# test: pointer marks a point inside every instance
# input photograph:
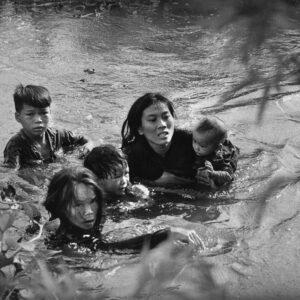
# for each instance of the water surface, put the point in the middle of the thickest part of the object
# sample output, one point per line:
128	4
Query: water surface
169	50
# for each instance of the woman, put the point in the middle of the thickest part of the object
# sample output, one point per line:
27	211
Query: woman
156	150
75	198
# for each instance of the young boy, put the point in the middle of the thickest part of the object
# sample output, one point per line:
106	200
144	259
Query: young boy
36	143
216	156
111	168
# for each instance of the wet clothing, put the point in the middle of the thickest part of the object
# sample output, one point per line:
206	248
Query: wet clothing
71	237
145	163
20	151
224	162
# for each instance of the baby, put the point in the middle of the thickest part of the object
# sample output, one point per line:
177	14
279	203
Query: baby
216	157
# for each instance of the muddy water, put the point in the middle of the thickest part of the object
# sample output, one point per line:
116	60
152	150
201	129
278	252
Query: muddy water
147	49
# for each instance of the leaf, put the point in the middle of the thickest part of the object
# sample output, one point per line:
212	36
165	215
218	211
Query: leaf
31	211
4	261
28	246
6	220
9	191
10	243
26	294
52	225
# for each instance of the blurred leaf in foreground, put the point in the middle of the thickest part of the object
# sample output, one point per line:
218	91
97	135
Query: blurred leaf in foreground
6	220
257	27
159	277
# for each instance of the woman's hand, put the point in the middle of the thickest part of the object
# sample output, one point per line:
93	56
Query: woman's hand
202	176
188	235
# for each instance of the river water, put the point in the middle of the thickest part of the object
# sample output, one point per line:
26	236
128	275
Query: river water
168	49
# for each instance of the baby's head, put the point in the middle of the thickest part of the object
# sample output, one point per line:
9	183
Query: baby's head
208	135
110	166
32	104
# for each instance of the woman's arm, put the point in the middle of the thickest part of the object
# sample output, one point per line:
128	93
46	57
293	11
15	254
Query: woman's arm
137	243
153	239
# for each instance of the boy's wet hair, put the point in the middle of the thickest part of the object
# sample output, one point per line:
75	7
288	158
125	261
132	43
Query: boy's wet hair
213	128
33	95
62	191
105	161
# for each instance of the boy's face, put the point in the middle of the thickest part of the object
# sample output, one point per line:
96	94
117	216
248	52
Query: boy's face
34	120
201	144
117	184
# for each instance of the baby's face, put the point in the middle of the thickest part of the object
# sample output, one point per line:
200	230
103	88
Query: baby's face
117	184
201	145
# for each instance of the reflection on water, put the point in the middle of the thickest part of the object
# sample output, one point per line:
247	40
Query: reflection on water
142	48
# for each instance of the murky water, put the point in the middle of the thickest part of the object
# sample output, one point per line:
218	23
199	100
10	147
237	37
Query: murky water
149	48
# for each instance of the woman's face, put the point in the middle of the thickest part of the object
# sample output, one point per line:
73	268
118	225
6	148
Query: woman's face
82	212
157	125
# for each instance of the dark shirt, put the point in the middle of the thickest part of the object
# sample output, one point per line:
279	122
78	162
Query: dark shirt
145	163
21	151
224	159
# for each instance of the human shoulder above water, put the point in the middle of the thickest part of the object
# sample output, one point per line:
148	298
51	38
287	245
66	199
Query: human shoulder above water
155	149
36	143
216	157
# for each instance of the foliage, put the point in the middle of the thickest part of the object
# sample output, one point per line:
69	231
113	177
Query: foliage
190	278
262	21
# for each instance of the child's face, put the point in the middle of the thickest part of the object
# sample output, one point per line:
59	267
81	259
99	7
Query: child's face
201	144
82	211
116	185
34	120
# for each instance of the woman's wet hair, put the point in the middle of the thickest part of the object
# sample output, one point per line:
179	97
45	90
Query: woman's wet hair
213	128
62	191
104	161
134	118
33	95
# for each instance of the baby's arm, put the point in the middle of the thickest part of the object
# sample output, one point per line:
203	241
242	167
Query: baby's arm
221	177
225	164
230	154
